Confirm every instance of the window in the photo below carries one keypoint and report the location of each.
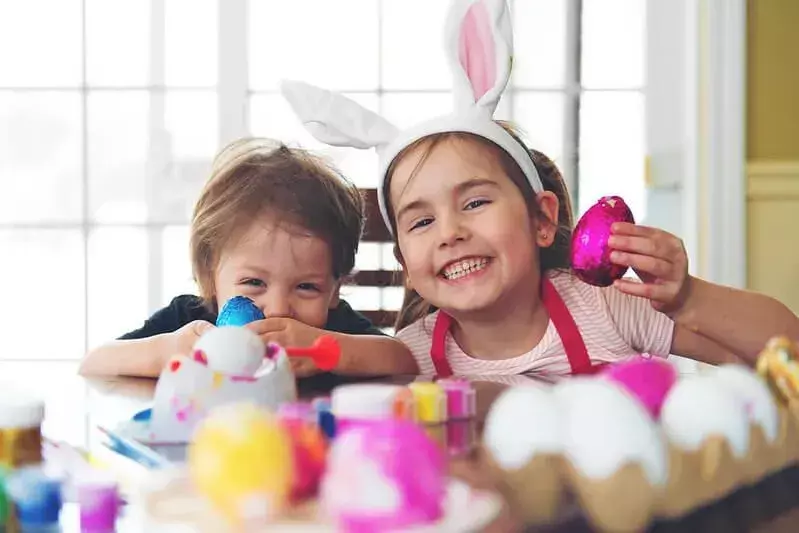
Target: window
(109, 125)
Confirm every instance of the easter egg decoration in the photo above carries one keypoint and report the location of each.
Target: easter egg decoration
(309, 446)
(648, 379)
(242, 461)
(778, 364)
(590, 253)
(238, 311)
(231, 350)
(384, 476)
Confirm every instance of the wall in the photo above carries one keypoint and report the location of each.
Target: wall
(773, 149)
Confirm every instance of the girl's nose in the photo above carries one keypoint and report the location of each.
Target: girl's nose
(451, 230)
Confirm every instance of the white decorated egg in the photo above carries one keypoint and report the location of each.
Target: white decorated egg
(753, 391)
(524, 421)
(606, 428)
(700, 407)
(231, 350)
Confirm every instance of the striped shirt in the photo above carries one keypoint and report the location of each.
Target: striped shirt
(614, 326)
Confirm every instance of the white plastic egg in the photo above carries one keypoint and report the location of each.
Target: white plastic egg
(606, 428)
(524, 421)
(700, 407)
(232, 350)
(758, 401)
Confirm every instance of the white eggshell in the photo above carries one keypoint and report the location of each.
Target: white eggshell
(606, 428)
(753, 391)
(524, 421)
(232, 350)
(700, 407)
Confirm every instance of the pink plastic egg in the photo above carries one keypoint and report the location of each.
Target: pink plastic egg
(384, 476)
(649, 380)
(590, 254)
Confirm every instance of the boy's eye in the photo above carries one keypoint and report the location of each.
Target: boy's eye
(421, 223)
(252, 282)
(308, 287)
(474, 204)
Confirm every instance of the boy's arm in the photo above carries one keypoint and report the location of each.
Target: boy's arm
(373, 355)
(740, 321)
(136, 357)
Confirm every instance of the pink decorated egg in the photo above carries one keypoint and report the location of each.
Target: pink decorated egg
(590, 254)
(649, 380)
(384, 476)
(310, 449)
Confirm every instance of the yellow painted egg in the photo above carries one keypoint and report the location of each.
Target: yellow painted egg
(241, 460)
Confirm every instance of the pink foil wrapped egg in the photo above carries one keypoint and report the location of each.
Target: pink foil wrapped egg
(384, 476)
(649, 380)
(590, 253)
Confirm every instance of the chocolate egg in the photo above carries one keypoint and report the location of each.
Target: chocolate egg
(590, 253)
(238, 311)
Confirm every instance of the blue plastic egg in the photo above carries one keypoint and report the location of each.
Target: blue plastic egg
(238, 311)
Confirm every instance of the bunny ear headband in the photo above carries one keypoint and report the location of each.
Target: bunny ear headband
(479, 47)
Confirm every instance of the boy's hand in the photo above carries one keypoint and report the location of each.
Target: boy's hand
(187, 336)
(290, 332)
(659, 260)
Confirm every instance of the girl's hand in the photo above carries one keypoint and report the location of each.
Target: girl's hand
(659, 260)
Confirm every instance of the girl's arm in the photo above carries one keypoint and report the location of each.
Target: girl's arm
(374, 355)
(740, 321)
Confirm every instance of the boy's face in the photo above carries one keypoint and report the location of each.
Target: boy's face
(286, 271)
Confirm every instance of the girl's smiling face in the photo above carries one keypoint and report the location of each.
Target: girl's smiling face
(466, 237)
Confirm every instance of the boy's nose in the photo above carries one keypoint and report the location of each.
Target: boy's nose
(277, 306)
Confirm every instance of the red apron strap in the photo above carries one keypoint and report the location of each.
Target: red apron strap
(438, 350)
(564, 323)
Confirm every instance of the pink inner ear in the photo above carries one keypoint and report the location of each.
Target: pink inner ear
(476, 49)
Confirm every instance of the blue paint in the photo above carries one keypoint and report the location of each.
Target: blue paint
(238, 311)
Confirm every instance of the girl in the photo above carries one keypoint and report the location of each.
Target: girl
(279, 226)
(482, 228)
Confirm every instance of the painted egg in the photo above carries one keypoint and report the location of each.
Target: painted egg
(238, 311)
(648, 379)
(778, 364)
(310, 448)
(384, 476)
(231, 350)
(524, 421)
(590, 254)
(700, 407)
(241, 459)
(606, 428)
(758, 401)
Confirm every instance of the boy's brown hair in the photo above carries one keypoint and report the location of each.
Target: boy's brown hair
(251, 177)
(555, 257)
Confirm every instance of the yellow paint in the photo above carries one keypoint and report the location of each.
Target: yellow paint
(218, 380)
(430, 402)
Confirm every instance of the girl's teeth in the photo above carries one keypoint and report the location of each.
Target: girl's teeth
(464, 268)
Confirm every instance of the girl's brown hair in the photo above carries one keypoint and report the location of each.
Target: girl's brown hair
(251, 177)
(555, 257)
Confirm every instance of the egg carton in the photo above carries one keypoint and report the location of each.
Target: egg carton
(552, 485)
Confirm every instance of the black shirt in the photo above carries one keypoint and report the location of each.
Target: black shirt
(188, 308)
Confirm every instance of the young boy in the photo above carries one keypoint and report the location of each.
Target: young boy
(279, 226)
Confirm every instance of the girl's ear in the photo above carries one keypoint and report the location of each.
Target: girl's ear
(406, 278)
(546, 223)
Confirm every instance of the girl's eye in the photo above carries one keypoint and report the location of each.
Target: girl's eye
(308, 287)
(421, 223)
(474, 204)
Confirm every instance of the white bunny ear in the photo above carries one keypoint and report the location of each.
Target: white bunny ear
(335, 119)
(479, 46)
